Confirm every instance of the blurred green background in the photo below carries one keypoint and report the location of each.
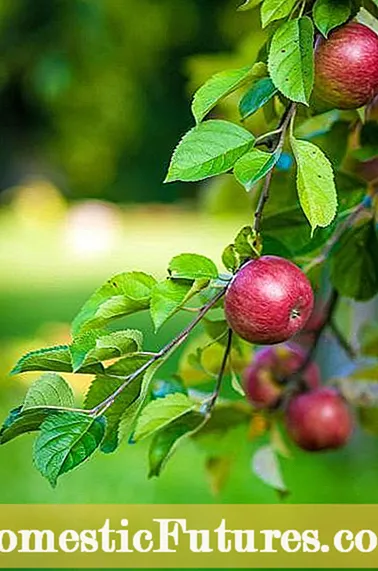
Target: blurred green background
(93, 98)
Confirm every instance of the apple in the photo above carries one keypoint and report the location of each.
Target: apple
(346, 67)
(268, 300)
(319, 420)
(271, 366)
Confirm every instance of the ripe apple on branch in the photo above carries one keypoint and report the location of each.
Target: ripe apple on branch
(314, 222)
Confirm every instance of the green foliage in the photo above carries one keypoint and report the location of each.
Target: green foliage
(315, 182)
(49, 390)
(256, 97)
(291, 59)
(221, 85)
(253, 166)
(50, 359)
(249, 4)
(354, 261)
(66, 440)
(329, 14)
(192, 267)
(21, 421)
(166, 440)
(158, 413)
(275, 10)
(208, 149)
(104, 385)
(122, 295)
(368, 338)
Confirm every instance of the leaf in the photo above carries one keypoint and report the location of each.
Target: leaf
(49, 390)
(291, 59)
(21, 421)
(266, 467)
(218, 471)
(259, 94)
(246, 245)
(105, 385)
(253, 166)
(208, 149)
(354, 262)
(236, 385)
(248, 5)
(315, 183)
(229, 258)
(158, 413)
(368, 338)
(51, 359)
(95, 345)
(165, 442)
(275, 10)
(66, 440)
(192, 267)
(217, 87)
(120, 296)
(329, 14)
(167, 298)
(368, 419)
(364, 17)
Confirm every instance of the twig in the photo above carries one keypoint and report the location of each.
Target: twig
(211, 402)
(174, 343)
(343, 342)
(264, 195)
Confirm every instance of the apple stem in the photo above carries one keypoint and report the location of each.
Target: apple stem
(211, 402)
(264, 195)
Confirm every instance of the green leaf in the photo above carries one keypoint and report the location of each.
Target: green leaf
(367, 19)
(259, 94)
(246, 245)
(315, 183)
(368, 419)
(275, 10)
(51, 359)
(291, 59)
(66, 440)
(229, 258)
(49, 390)
(329, 14)
(368, 338)
(208, 149)
(120, 296)
(217, 87)
(192, 267)
(167, 298)
(354, 261)
(165, 442)
(94, 346)
(21, 421)
(266, 467)
(218, 472)
(105, 385)
(158, 413)
(216, 329)
(253, 166)
(248, 5)
(236, 384)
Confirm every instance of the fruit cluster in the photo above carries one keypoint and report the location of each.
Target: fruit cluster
(270, 300)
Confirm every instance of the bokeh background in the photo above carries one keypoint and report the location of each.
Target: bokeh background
(94, 95)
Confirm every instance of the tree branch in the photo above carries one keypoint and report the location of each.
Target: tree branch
(341, 339)
(174, 343)
(264, 195)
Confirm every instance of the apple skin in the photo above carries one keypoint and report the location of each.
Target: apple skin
(263, 378)
(268, 301)
(346, 68)
(319, 420)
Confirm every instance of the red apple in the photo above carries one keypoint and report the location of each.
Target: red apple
(268, 301)
(264, 377)
(346, 67)
(319, 420)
